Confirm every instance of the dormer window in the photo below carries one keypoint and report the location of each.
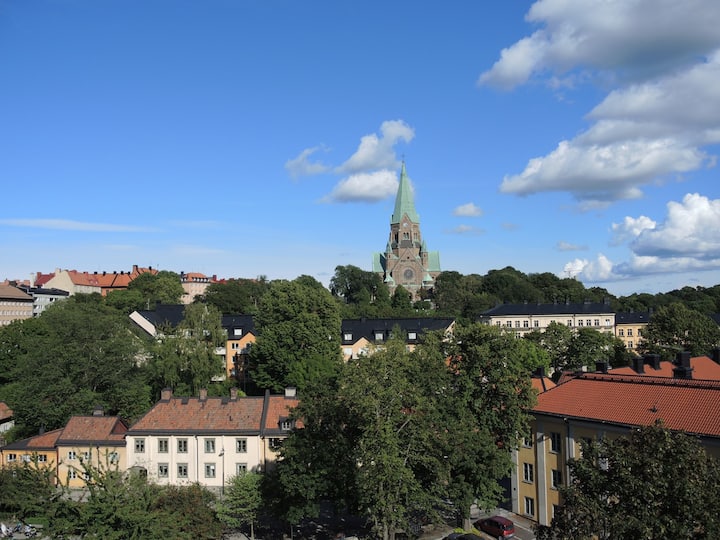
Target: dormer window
(286, 424)
(412, 336)
(347, 336)
(379, 336)
(237, 332)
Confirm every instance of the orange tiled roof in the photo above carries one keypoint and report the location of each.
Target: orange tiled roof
(6, 412)
(682, 404)
(278, 407)
(41, 279)
(44, 441)
(703, 368)
(95, 429)
(542, 384)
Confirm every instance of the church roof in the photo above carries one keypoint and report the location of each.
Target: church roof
(404, 203)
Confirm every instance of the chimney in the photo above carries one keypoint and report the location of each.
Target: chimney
(539, 372)
(203, 394)
(715, 355)
(233, 393)
(638, 365)
(166, 394)
(652, 360)
(290, 392)
(682, 369)
(601, 366)
(98, 411)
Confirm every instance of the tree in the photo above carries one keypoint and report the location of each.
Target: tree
(185, 357)
(587, 346)
(401, 301)
(654, 483)
(298, 335)
(163, 287)
(363, 293)
(556, 341)
(676, 328)
(241, 505)
(236, 296)
(28, 490)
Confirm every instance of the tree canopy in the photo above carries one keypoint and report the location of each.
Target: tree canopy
(677, 327)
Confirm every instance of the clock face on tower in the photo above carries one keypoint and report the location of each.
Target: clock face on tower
(408, 274)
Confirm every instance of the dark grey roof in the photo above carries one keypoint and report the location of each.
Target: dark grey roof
(548, 309)
(173, 314)
(632, 318)
(368, 328)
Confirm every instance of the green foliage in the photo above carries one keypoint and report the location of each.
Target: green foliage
(676, 328)
(126, 300)
(587, 346)
(185, 358)
(362, 293)
(401, 302)
(28, 490)
(236, 296)
(78, 354)
(163, 287)
(298, 335)
(242, 502)
(654, 483)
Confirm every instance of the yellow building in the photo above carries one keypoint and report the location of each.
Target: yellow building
(602, 405)
(629, 328)
(40, 450)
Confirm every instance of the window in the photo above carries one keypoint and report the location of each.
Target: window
(182, 446)
(555, 442)
(378, 336)
(536, 324)
(630, 345)
(42, 458)
(528, 472)
(163, 446)
(517, 324)
(412, 336)
(527, 442)
(240, 468)
(86, 456)
(26, 458)
(182, 469)
(285, 424)
(596, 322)
(347, 336)
(113, 457)
(555, 510)
(526, 324)
(241, 446)
(275, 444)
(11, 457)
(607, 322)
(508, 324)
(580, 322)
(72, 474)
(73, 456)
(569, 323)
(209, 446)
(629, 332)
(556, 478)
(234, 346)
(498, 323)
(529, 506)
(209, 470)
(621, 332)
(163, 470)
(588, 322)
(139, 446)
(237, 332)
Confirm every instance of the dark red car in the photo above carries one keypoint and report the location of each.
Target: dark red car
(497, 527)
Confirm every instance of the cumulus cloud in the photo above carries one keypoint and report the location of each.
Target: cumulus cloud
(302, 166)
(468, 210)
(687, 240)
(365, 187)
(378, 152)
(630, 38)
(661, 60)
(567, 246)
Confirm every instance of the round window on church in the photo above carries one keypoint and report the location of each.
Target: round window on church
(408, 274)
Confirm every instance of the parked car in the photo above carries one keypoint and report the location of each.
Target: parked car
(497, 527)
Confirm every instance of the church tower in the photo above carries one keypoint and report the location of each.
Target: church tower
(406, 260)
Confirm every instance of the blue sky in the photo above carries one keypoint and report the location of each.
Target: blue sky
(245, 138)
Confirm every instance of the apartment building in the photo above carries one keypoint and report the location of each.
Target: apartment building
(15, 305)
(629, 328)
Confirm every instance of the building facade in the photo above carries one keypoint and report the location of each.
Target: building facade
(629, 328)
(15, 304)
(406, 260)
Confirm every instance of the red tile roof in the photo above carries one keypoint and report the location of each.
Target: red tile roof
(45, 441)
(93, 429)
(682, 404)
(278, 407)
(6, 412)
(542, 384)
(703, 368)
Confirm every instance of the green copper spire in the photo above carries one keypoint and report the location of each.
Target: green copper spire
(404, 200)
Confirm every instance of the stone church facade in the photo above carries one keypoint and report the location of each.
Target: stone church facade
(406, 260)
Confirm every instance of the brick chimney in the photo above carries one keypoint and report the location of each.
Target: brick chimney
(682, 369)
(715, 355)
(601, 366)
(652, 360)
(638, 364)
(98, 411)
(166, 394)
(233, 394)
(203, 394)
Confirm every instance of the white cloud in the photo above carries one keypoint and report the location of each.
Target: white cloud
(601, 269)
(663, 59)
(70, 225)
(468, 210)
(365, 187)
(631, 38)
(566, 246)
(301, 165)
(630, 228)
(378, 152)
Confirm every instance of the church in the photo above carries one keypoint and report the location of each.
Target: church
(406, 260)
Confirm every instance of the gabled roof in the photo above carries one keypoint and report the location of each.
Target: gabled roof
(686, 405)
(640, 317)
(404, 203)
(367, 328)
(252, 415)
(586, 308)
(173, 314)
(44, 441)
(93, 430)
